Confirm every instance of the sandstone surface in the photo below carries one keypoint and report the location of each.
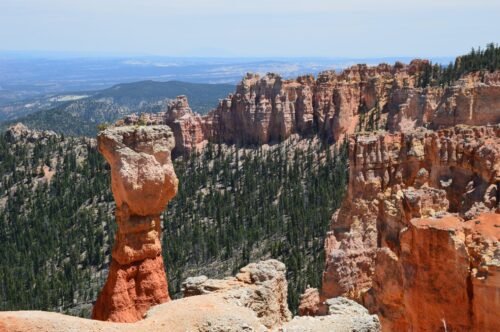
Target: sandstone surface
(310, 303)
(254, 300)
(343, 315)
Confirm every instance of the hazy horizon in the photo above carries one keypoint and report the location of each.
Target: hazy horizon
(258, 29)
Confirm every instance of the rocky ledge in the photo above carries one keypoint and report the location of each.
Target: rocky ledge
(254, 300)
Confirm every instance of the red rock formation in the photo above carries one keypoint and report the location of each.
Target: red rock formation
(310, 303)
(260, 111)
(388, 247)
(143, 181)
(186, 125)
(482, 236)
(435, 281)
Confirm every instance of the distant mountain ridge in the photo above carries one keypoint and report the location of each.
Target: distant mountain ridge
(204, 94)
(80, 113)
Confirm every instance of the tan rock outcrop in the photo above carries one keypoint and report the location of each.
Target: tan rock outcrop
(143, 181)
(187, 126)
(343, 315)
(378, 242)
(310, 303)
(261, 286)
(254, 300)
(19, 131)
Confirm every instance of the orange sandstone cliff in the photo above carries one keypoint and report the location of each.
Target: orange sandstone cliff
(416, 238)
(266, 109)
(269, 108)
(143, 181)
(447, 276)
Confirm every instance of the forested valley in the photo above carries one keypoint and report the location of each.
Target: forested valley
(234, 205)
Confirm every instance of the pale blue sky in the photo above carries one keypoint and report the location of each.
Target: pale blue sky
(349, 28)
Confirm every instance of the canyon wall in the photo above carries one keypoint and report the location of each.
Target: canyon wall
(416, 238)
(269, 109)
(430, 167)
(446, 276)
(142, 181)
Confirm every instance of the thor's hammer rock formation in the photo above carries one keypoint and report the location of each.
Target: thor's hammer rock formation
(143, 181)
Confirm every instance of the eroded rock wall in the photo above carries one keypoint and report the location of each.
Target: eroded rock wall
(269, 108)
(334, 105)
(445, 276)
(417, 226)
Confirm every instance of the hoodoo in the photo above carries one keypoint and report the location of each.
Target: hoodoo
(143, 181)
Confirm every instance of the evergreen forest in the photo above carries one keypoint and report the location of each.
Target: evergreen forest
(477, 60)
(234, 206)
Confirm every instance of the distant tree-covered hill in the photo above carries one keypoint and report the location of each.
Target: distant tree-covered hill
(79, 114)
(202, 97)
